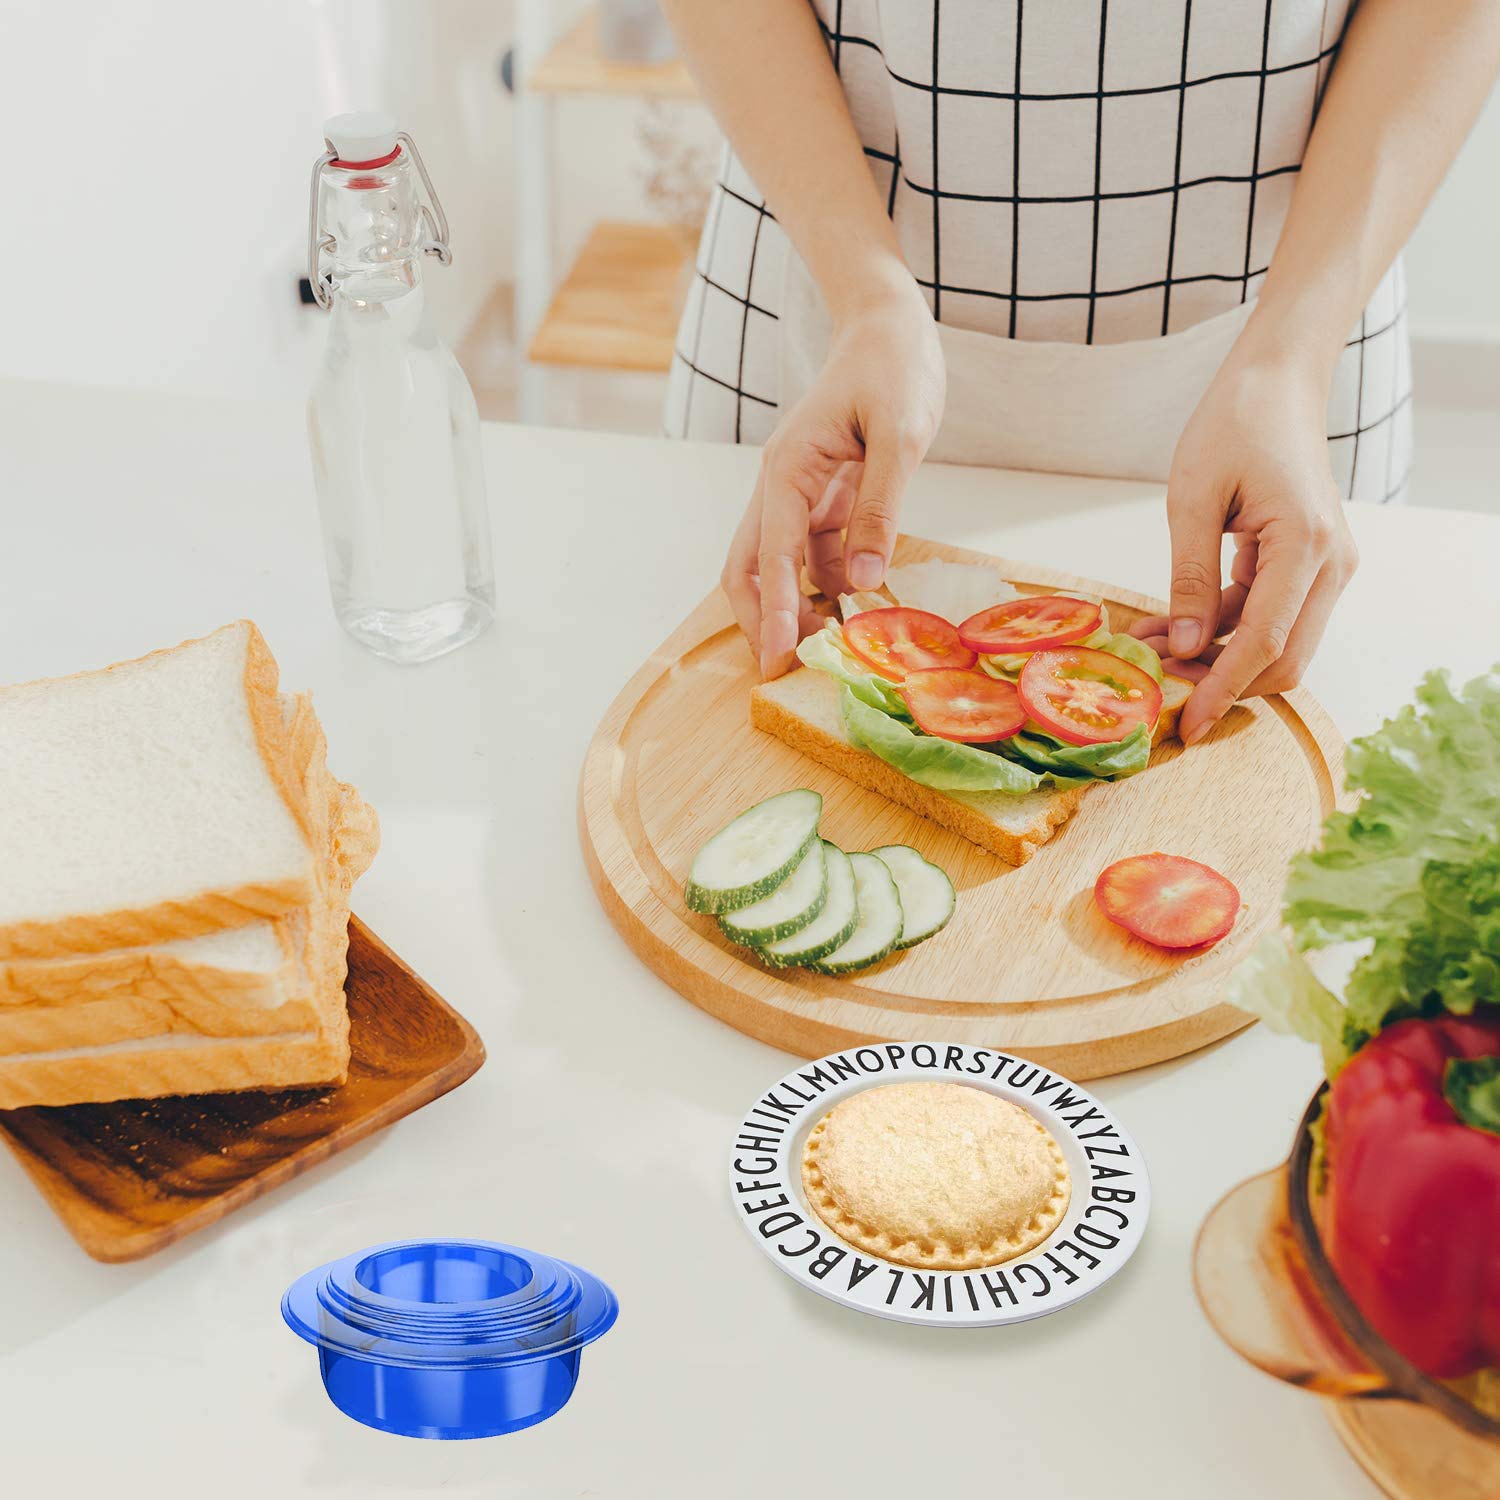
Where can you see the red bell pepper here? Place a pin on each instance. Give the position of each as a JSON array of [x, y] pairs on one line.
[[1413, 1226]]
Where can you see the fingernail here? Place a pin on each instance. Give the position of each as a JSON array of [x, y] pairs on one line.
[[1197, 732], [1185, 637], [866, 569]]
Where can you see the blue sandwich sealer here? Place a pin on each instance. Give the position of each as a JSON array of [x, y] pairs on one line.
[[449, 1338]]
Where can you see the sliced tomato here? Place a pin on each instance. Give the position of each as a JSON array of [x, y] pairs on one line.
[[1034, 624], [966, 706], [897, 641], [1087, 697], [1168, 900]]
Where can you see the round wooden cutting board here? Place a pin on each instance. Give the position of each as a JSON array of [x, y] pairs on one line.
[[1027, 964]]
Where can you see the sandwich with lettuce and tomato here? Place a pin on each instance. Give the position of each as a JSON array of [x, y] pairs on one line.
[[987, 710]]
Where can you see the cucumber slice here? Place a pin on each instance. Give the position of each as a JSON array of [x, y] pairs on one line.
[[751, 856], [788, 909], [831, 928], [879, 927], [927, 897]]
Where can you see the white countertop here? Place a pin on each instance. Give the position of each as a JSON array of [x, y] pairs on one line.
[[597, 1129]]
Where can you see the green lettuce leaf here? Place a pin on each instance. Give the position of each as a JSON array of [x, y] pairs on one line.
[[1472, 1086], [1106, 762], [941, 764], [1446, 958], [1126, 646], [1432, 781], [1005, 668], [1275, 984], [1131, 650], [1413, 872], [824, 652]]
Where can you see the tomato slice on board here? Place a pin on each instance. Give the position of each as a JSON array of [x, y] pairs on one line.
[[1168, 900], [897, 641], [963, 705], [1087, 697], [1034, 624]]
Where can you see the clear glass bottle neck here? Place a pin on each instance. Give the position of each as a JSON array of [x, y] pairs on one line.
[[373, 215]]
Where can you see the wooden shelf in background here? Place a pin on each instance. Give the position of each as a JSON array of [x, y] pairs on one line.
[[575, 65], [617, 308]]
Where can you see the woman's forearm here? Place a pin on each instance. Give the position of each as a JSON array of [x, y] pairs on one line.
[[766, 74], [1409, 82]]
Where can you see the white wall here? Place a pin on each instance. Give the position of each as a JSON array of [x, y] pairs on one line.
[[158, 159], [1453, 261]]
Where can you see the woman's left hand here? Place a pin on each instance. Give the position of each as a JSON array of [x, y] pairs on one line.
[[1252, 461]]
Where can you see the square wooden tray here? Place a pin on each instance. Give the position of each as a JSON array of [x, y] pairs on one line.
[[130, 1178]]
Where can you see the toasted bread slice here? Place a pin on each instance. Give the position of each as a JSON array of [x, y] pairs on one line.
[[802, 709], [152, 800]]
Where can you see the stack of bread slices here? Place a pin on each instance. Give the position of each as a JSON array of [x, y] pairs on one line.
[[175, 869]]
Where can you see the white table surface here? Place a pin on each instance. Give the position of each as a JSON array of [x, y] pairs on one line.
[[597, 1129]]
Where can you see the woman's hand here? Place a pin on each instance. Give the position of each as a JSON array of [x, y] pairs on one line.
[[840, 458], [1253, 461]]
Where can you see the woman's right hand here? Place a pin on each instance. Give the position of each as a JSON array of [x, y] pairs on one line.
[[833, 474]]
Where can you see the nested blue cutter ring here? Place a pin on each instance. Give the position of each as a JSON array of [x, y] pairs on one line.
[[449, 1338]]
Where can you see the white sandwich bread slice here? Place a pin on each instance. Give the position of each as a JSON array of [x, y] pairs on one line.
[[277, 1022], [249, 965], [252, 965], [802, 709], [302, 1043], [150, 801], [303, 1001]]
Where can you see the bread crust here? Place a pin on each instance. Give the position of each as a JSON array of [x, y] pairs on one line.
[[153, 973], [217, 1065], [130, 1017]]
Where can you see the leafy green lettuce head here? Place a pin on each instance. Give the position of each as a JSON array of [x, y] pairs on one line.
[[1413, 872]]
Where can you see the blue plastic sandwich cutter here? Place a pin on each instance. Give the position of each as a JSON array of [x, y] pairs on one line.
[[449, 1338]]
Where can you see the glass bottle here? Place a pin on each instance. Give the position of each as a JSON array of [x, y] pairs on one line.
[[391, 420]]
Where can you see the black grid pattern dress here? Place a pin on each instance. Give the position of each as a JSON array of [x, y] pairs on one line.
[[1095, 172]]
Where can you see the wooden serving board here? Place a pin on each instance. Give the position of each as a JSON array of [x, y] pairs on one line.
[[1027, 964], [130, 1178]]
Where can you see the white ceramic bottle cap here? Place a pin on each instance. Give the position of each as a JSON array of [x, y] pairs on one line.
[[366, 136]]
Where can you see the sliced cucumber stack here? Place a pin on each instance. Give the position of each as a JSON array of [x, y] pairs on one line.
[[927, 897], [831, 928], [796, 900], [878, 930], [750, 857], [788, 909]]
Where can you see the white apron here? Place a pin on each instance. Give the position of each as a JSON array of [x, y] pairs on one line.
[[1088, 196], [1113, 410]]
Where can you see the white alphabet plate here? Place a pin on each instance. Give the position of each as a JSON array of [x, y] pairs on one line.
[[1098, 1234]]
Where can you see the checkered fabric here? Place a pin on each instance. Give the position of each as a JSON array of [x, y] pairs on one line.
[[1091, 172]]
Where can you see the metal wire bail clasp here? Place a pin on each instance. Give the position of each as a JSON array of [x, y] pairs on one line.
[[433, 217], [321, 243]]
